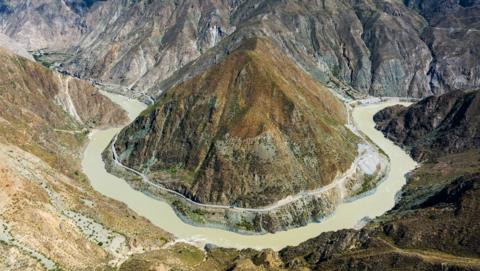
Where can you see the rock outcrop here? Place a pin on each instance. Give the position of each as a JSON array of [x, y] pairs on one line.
[[436, 126], [437, 235], [248, 132]]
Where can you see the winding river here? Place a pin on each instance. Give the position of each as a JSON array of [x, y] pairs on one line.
[[347, 215]]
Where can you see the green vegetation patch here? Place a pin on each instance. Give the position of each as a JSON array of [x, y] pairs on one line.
[[188, 254], [369, 182], [195, 215], [245, 225]]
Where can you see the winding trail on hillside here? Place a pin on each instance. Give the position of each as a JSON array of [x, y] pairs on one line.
[[337, 183], [347, 215]]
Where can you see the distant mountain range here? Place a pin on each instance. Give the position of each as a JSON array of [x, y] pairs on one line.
[[379, 47]]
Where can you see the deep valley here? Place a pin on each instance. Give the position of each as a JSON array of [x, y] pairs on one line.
[[239, 135]]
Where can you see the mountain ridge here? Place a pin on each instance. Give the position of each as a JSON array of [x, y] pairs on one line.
[[347, 44], [243, 114]]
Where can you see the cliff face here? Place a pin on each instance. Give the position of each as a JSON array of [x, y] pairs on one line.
[[247, 132], [384, 48], [436, 126]]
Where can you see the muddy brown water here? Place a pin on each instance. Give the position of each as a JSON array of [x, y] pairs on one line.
[[347, 215]]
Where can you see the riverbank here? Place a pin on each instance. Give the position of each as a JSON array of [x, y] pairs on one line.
[[368, 169], [347, 215]]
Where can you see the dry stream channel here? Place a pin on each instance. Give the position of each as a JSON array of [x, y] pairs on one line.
[[347, 214]]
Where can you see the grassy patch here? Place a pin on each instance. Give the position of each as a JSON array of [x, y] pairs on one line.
[[245, 225], [173, 170], [188, 254], [50, 58], [195, 215], [369, 182]]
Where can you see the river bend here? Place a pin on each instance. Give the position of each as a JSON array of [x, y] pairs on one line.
[[347, 215]]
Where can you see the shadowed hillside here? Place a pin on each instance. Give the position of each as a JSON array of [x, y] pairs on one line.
[[436, 126]]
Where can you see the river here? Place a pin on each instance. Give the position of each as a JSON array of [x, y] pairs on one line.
[[347, 215]]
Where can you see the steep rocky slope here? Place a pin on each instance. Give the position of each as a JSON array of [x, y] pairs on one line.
[[351, 42], [436, 230], [433, 227], [129, 40], [384, 48], [434, 224], [436, 126], [453, 37], [247, 132], [50, 216], [41, 24], [333, 40]]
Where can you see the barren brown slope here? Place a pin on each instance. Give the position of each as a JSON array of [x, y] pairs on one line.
[[46, 205], [248, 132], [43, 112]]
